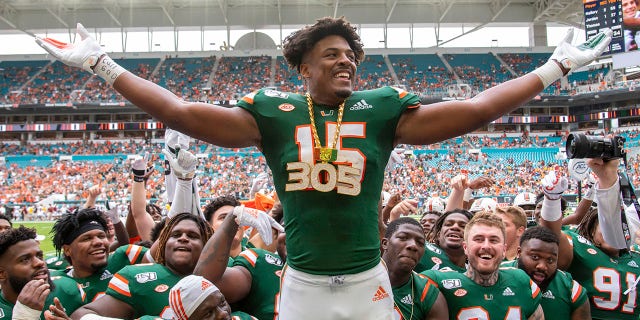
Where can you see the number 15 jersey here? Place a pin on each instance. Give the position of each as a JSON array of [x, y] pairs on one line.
[[331, 213]]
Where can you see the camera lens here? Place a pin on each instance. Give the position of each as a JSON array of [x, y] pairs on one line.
[[577, 146]]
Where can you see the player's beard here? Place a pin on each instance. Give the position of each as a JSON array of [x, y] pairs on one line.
[[99, 265], [343, 93], [18, 283], [544, 284]]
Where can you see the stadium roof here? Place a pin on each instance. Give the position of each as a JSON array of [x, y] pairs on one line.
[[34, 15]]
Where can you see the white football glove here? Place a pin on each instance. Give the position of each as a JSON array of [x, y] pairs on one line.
[[259, 182], [141, 169], [82, 54], [259, 220], [183, 165], [573, 57], [553, 186], [113, 215], [174, 139]]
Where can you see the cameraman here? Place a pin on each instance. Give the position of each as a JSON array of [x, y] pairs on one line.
[[609, 200], [608, 274]]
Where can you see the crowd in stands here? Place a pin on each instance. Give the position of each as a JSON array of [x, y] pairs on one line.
[[227, 171], [236, 76]]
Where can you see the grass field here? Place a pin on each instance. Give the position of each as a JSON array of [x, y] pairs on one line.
[[43, 228]]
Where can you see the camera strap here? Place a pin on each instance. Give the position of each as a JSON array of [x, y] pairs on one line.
[[629, 198]]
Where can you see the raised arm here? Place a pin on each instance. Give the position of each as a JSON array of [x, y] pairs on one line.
[[226, 127], [553, 186], [143, 221], [609, 201], [233, 282], [92, 194], [432, 123]]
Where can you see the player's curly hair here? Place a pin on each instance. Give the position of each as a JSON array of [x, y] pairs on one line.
[[153, 209], [297, 44], [205, 231], [588, 224], [71, 221], [434, 234], [219, 202], [157, 228], [541, 233], [394, 225], [12, 236]]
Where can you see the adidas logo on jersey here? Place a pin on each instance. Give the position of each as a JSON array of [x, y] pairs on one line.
[[407, 299], [380, 294], [106, 275], [548, 294], [508, 292], [633, 264], [361, 105]]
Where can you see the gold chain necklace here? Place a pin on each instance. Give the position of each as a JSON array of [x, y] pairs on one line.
[[328, 154]]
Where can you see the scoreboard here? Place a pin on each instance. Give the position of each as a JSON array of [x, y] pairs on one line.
[[605, 14]]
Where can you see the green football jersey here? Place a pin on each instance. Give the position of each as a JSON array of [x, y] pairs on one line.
[[145, 287], [236, 315], [68, 291], [562, 296], [265, 268], [514, 296], [434, 258], [96, 284], [331, 209], [610, 282], [414, 299], [56, 262]]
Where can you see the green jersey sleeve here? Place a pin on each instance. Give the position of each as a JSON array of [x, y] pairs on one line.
[[265, 268]]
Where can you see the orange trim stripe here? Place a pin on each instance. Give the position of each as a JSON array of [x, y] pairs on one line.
[[176, 305], [251, 256], [247, 100], [577, 291], [426, 289], [535, 289], [133, 252], [118, 281], [83, 294]]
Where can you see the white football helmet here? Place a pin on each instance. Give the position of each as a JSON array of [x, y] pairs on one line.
[[434, 204], [483, 204], [526, 201], [525, 198]]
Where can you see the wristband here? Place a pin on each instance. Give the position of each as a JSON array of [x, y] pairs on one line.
[[468, 195], [23, 312], [108, 70], [551, 209], [548, 73], [139, 179]]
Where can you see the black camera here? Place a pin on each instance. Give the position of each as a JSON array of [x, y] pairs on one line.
[[583, 146]]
